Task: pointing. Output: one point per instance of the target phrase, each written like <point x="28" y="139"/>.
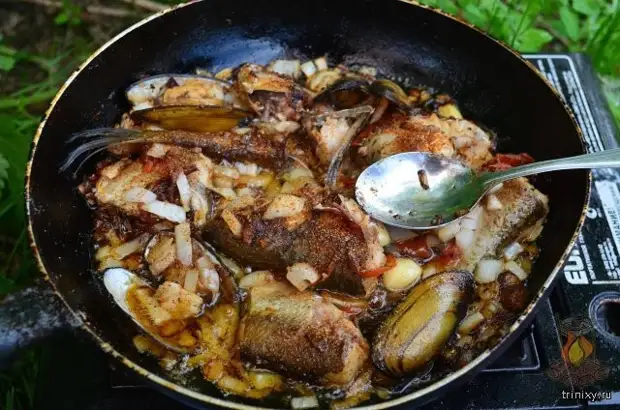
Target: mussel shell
<point x="196" y="118"/>
<point x="118" y="281"/>
<point x="419" y="327"/>
<point x="391" y="91"/>
<point x="144" y="93"/>
<point x="344" y="93"/>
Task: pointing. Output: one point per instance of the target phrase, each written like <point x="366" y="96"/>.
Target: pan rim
<point x="431" y="390"/>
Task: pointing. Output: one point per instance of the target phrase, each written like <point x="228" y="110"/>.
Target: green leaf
<point x="587" y="7"/>
<point x="570" y="21"/>
<point x="448" y="6"/>
<point x="61" y="18"/>
<point x="4" y="175"/>
<point x="532" y="40"/>
<point x="475" y="15"/>
<point x="7" y="62"/>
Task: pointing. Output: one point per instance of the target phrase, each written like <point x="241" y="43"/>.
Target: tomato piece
<point x="415" y="247"/>
<point x="449" y="256"/>
<point x="390" y="262"/>
<point x="148" y="166"/>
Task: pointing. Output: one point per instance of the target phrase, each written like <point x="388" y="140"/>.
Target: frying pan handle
<point x="28" y="316"/>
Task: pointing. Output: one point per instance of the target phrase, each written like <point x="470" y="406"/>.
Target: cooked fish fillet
<point x="301" y="335"/>
<point x="328" y="241"/>
<point x="396" y="132"/>
<point x="524" y="208"/>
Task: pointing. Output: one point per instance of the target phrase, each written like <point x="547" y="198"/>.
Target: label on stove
<point x="595" y="259"/>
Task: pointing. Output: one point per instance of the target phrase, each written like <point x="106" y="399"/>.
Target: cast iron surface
<point x="492" y="85"/>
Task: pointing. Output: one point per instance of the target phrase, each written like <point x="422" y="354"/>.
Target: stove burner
<point x="605" y="314"/>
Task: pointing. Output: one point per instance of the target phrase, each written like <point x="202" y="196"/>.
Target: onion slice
<point x="166" y="210"/>
<point x="140" y="195"/>
<point x="183" y="242"/>
<point x="284" y="205"/>
<point x="185" y="192"/>
<point x="488" y="270"/>
<point x="302" y="275"/>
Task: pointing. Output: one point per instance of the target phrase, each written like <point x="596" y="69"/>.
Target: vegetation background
<point x="43" y="41"/>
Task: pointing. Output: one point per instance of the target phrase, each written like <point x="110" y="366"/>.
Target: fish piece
<point x="249" y="145"/>
<point x="524" y="208"/>
<point x="300" y="335"/>
<point x="270" y="244"/>
<point x="272" y="96"/>
<point x="116" y="181"/>
<point x="396" y="132"/>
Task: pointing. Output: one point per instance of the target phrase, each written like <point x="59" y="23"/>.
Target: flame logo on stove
<point x="579" y="366"/>
<point x="576" y="349"/>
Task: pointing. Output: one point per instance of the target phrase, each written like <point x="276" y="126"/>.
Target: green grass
<point x="30" y="76"/>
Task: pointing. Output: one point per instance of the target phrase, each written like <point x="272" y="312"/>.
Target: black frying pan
<point x="492" y="84"/>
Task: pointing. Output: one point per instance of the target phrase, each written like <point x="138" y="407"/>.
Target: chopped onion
<point x="227" y="193"/>
<point x="183" y="241"/>
<point x="308" y="68"/>
<point x="201" y="205"/>
<point x="469" y="223"/>
<point x="470" y="323"/>
<point x="185" y="192"/>
<point x="513" y="267"/>
<point x="223" y="182"/>
<point x="493" y="203"/>
<point x="166" y="210"/>
<point x="301" y="275"/>
<point x="284" y="205"/>
<point x="449" y="231"/>
<point x="258" y="278"/>
<point x="286" y="127"/>
<point x="297" y="173"/>
<point x="511" y="251"/>
<point x="227" y="171"/>
<point x="489" y="309"/>
<point x="247" y="169"/>
<point x="488" y="270"/>
<point x="321" y="63"/>
<point x="191" y="280"/>
<point x="210" y="279"/>
<point x="286" y="67"/>
<point x="461" y="142"/>
<point x="140" y="195"/>
<point x="126" y="249"/>
<point x="305" y="402"/>
<point x="232" y="221"/>
<point x="464" y="238"/>
<point x="158" y="150"/>
<point x="368" y="70"/>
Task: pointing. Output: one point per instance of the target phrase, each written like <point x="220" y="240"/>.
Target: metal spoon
<point x="419" y="190"/>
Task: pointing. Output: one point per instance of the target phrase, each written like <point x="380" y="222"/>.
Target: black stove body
<point x="569" y="358"/>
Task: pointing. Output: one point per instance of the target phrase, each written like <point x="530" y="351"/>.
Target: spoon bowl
<point x="420" y="190"/>
<point x="404" y="190"/>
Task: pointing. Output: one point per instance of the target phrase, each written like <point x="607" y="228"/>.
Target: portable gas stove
<point x="569" y="358"/>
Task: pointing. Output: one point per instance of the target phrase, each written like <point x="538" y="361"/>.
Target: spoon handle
<point x="603" y="159"/>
